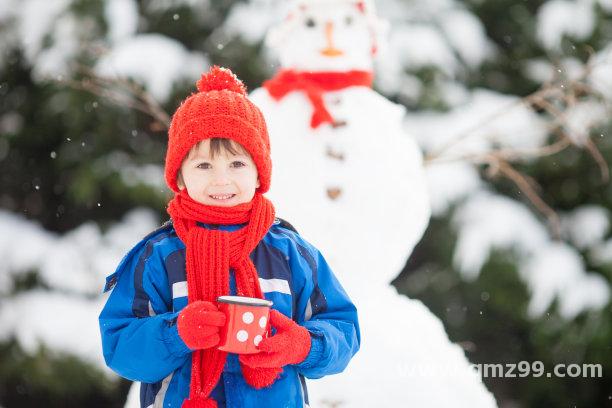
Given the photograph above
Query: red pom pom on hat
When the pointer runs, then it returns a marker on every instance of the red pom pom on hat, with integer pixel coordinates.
(219, 79)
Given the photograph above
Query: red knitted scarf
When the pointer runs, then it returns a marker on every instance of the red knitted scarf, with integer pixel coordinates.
(210, 254)
(314, 84)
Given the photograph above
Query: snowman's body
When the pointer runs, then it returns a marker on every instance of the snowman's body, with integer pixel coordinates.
(358, 186)
(356, 189)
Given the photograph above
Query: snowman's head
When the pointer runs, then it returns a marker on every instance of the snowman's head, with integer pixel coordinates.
(328, 35)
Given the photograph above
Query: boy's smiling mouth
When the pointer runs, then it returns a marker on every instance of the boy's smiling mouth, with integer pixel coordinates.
(221, 197)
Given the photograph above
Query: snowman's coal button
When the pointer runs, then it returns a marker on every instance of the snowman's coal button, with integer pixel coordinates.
(257, 340)
(262, 322)
(242, 336)
(334, 192)
(334, 154)
(248, 317)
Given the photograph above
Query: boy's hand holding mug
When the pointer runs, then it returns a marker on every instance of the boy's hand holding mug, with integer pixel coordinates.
(290, 345)
(199, 323)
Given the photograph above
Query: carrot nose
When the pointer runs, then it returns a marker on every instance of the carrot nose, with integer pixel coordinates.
(330, 50)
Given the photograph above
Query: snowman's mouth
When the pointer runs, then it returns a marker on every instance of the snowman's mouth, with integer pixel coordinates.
(331, 52)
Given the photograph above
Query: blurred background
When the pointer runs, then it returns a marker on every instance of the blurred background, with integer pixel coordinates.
(516, 261)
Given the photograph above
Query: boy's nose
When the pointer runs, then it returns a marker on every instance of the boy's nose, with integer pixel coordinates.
(220, 178)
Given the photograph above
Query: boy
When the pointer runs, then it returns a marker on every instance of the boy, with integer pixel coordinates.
(161, 323)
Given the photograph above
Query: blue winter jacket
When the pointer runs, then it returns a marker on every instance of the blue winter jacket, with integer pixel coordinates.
(138, 323)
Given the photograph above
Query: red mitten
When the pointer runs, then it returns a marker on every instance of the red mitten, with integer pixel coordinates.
(260, 377)
(198, 324)
(290, 345)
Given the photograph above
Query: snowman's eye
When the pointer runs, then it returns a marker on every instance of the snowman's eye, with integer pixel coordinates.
(348, 20)
(310, 23)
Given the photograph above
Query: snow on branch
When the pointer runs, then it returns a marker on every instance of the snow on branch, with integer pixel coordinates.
(570, 107)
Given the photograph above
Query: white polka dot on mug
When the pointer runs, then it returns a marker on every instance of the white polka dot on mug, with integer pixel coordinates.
(248, 317)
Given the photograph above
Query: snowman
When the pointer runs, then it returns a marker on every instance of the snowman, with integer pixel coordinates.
(338, 147)
(349, 178)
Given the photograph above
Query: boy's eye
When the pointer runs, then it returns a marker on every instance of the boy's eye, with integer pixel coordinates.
(204, 165)
(238, 164)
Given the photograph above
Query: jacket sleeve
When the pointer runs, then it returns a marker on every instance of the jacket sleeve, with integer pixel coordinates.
(140, 339)
(326, 311)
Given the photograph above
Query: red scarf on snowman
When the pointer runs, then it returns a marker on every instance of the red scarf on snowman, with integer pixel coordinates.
(315, 84)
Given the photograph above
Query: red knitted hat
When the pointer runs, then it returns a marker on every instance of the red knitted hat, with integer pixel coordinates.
(220, 109)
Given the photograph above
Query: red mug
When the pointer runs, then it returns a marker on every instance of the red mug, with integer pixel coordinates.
(246, 324)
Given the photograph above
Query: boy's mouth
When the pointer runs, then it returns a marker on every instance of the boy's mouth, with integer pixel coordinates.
(221, 197)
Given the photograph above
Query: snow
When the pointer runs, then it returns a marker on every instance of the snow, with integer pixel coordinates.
(467, 35)
(85, 255)
(606, 5)
(131, 173)
(587, 225)
(31, 23)
(557, 271)
(449, 183)
(74, 267)
(149, 174)
(405, 359)
(122, 19)
(601, 254)
(162, 5)
(133, 398)
(600, 77)
(153, 59)
(251, 20)
(53, 61)
(65, 324)
(407, 43)
(543, 71)
(552, 270)
(35, 19)
(582, 117)
(486, 222)
(486, 121)
(559, 18)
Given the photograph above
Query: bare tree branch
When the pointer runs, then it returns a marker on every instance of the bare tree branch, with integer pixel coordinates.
(528, 186)
(120, 91)
(599, 159)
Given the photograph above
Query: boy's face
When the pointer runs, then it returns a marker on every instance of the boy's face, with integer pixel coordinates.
(224, 181)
